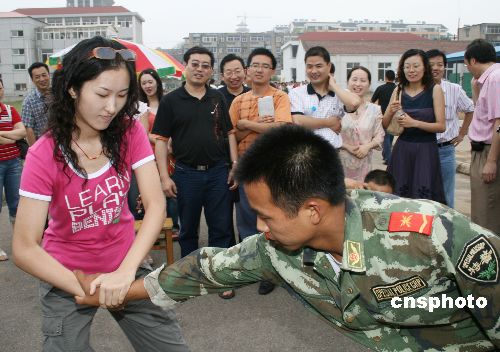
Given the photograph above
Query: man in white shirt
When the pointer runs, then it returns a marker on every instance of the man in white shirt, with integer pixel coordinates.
(455, 101)
(321, 104)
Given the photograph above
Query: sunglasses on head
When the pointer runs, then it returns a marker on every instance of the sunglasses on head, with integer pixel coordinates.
(107, 53)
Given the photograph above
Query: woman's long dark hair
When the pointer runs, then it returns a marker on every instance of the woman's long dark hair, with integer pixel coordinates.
(427, 79)
(79, 67)
(159, 86)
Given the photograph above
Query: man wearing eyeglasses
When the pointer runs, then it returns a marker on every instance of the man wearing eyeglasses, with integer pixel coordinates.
(196, 117)
(35, 110)
(250, 121)
(232, 69)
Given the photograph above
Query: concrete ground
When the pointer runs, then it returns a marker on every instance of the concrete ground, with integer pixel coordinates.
(248, 322)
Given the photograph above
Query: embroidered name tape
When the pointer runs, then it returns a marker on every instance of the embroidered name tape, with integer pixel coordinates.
(399, 288)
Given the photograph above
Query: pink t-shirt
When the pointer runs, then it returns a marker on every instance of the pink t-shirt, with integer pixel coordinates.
(487, 106)
(91, 227)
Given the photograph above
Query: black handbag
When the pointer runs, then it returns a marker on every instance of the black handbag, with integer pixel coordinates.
(23, 146)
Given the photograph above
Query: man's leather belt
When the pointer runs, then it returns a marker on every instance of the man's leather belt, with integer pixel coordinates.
(444, 144)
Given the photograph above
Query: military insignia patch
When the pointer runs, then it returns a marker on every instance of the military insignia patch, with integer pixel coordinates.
(354, 255)
(479, 261)
(399, 288)
(411, 222)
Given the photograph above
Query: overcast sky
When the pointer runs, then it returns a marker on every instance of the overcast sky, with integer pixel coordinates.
(168, 21)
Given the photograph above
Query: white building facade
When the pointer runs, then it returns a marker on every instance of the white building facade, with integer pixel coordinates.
(378, 53)
(30, 35)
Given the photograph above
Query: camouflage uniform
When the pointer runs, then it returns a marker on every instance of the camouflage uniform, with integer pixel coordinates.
(455, 257)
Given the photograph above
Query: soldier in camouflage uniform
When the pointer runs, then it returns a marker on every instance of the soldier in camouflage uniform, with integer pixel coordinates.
(348, 256)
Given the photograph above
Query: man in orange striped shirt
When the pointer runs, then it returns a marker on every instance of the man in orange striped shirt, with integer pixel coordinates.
(249, 117)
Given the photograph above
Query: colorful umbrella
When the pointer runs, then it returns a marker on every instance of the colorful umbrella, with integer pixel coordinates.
(146, 58)
(179, 68)
(149, 58)
(54, 60)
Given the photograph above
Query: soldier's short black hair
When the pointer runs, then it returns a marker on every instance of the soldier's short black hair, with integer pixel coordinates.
(296, 164)
(381, 178)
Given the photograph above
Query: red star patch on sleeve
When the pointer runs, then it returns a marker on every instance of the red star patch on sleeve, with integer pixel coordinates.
(411, 222)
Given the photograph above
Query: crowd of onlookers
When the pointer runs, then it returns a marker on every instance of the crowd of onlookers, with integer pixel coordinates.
(416, 103)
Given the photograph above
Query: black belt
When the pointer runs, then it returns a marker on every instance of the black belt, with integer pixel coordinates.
(444, 144)
(477, 146)
(203, 167)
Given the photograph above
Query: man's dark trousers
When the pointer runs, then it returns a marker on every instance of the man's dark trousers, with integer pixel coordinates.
(207, 189)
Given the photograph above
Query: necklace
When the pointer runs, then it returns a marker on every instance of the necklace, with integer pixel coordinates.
(88, 157)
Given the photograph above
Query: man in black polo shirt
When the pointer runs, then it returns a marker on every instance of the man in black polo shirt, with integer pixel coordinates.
(196, 117)
(232, 70)
(382, 96)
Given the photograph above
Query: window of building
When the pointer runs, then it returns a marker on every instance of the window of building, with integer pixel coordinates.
(20, 86)
(54, 21)
(492, 29)
(124, 21)
(295, 48)
(91, 20)
(17, 51)
(244, 39)
(233, 50)
(45, 54)
(209, 38)
(233, 38)
(73, 21)
(382, 68)
(16, 33)
(107, 20)
(256, 38)
(19, 66)
(350, 66)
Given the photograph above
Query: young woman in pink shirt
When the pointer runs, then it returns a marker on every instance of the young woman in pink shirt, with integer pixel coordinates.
(79, 175)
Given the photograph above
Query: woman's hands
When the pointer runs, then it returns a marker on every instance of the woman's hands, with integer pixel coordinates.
(407, 121)
(359, 151)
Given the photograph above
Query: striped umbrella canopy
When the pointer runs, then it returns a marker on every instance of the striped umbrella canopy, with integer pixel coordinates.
(54, 60)
(146, 58)
(149, 58)
(179, 68)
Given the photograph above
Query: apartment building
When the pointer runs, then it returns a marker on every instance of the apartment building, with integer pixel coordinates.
(487, 31)
(378, 52)
(239, 43)
(33, 34)
(420, 28)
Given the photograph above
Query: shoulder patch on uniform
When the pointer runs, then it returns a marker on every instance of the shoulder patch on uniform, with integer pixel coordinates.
(399, 288)
(411, 222)
(479, 261)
